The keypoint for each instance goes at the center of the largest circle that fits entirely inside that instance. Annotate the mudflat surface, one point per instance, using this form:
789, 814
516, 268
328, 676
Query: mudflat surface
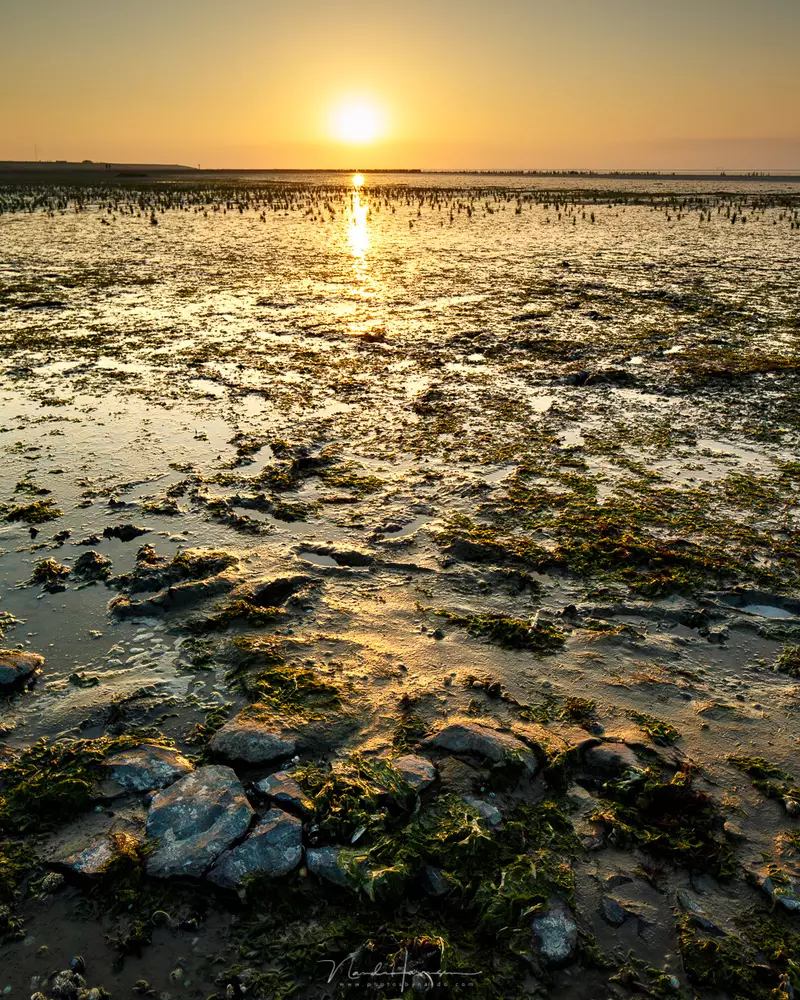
422, 452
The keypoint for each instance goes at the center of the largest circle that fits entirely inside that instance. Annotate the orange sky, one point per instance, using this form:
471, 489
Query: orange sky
711, 84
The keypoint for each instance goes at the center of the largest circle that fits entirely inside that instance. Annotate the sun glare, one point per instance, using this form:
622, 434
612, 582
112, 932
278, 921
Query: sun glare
357, 123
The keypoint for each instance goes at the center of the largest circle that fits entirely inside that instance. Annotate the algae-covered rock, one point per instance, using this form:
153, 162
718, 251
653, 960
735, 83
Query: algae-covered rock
16, 667
147, 767
92, 565
252, 742
472, 739
555, 934
124, 532
782, 887
194, 820
274, 848
281, 787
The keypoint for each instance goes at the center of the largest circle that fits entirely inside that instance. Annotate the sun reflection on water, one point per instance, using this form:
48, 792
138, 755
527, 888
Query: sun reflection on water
358, 231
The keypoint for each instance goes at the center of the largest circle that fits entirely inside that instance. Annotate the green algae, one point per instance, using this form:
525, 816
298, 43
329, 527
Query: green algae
659, 731
49, 571
788, 661
666, 817
771, 780
736, 965
511, 633
234, 613
50, 783
37, 512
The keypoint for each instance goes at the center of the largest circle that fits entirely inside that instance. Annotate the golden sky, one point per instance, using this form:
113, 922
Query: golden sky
712, 84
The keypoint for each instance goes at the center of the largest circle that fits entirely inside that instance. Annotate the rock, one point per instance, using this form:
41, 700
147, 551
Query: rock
94, 859
581, 800
490, 813
16, 667
274, 848
481, 741
252, 742
611, 758
696, 913
195, 820
616, 879
435, 882
613, 912
324, 863
792, 806
415, 771
734, 830
146, 768
68, 985
782, 887
92, 565
182, 595
555, 934
281, 787
124, 532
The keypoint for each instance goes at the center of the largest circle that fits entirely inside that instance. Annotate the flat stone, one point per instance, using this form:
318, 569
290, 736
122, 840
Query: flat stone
147, 767
611, 758
16, 667
281, 787
324, 863
415, 771
194, 820
481, 741
93, 860
613, 912
251, 742
273, 849
555, 934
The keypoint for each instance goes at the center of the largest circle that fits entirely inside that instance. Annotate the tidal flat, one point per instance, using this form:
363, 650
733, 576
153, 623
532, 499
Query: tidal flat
400, 588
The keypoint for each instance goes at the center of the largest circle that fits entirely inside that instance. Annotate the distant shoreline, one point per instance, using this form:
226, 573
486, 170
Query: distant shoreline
11, 170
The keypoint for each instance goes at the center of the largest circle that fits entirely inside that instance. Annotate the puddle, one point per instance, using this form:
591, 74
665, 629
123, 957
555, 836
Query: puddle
766, 611
410, 528
316, 558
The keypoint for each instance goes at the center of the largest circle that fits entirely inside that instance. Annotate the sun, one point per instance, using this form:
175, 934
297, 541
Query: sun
357, 123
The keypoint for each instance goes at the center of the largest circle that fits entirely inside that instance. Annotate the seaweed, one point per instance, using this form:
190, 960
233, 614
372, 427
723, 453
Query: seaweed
788, 661
511, 633
666, 817
660, 732
50, 783
37, 512
771, 780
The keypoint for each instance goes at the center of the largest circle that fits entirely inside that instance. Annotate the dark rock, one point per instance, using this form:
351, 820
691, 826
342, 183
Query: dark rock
17, 667
435, 882
555, 934
613, 912
252, 742
90, 540
281, 787
416, 771
274, 848
617, 879
481, 741
92, 565
194, 820
324, 863
183, 595
147, 767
